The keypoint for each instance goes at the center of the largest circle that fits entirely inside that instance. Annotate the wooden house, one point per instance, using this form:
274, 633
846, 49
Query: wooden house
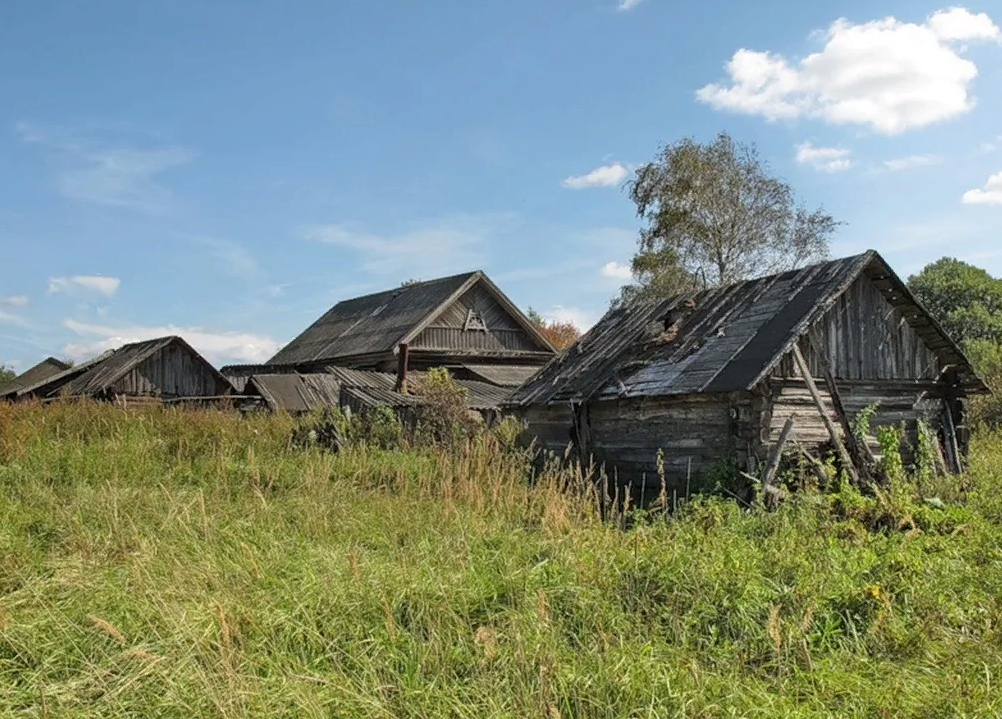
167, 368
464, 323
710, 378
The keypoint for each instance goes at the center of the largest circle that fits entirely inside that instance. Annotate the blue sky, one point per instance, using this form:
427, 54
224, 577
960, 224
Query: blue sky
227, 170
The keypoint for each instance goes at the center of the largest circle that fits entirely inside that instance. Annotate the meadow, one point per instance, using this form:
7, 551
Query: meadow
180, 563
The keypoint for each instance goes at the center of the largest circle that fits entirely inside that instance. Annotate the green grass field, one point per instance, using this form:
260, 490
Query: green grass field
162, 563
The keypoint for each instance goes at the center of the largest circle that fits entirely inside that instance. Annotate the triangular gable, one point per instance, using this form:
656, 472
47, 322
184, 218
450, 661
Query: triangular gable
504, 315
896, 293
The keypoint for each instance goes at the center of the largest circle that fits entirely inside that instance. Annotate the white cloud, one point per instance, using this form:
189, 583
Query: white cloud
911, 162
452, 244
605, 176
106, 286
110, 173
616, 271
991, 145
217, 347
990, 194
14, 301
581, 319
628, 4
826, 159
884, 74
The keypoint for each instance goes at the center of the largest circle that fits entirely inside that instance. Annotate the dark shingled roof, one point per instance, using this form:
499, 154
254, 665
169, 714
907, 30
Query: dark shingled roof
42, 371
370, 324
729, 339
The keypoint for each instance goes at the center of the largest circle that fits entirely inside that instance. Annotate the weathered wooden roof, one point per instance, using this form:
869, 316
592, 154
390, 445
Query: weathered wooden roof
48, 385
103, 374
721, 339
40, 372
500, 374
378, 323
296, 392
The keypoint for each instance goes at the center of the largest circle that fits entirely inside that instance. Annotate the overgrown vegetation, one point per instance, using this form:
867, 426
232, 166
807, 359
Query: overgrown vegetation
162, 562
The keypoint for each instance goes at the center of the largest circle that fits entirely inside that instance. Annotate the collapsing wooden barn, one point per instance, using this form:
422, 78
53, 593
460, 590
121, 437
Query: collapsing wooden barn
162, 369
357, 390
39, 373
711, 378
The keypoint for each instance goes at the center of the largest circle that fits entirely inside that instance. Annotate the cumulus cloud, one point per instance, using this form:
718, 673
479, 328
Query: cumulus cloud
106, 286
14, 301
628, 4
451, 244
826, 159
114, 173
616, 271
885, 74
605, 176
581, 319
217, 347
910, 162
990, 194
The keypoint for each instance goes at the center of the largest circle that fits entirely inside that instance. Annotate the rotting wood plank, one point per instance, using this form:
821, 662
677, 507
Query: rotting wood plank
805, 371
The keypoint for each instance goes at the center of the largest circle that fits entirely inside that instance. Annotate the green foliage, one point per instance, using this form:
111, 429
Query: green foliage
926, 444
715, 214
170, 563
7, 375
861, 422
382, 428
965, 299
443, 418
890, 450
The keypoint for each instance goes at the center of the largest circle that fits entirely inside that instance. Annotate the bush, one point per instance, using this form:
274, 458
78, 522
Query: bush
443, 418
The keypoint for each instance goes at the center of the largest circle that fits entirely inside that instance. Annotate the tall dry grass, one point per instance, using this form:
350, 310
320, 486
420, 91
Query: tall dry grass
159, 562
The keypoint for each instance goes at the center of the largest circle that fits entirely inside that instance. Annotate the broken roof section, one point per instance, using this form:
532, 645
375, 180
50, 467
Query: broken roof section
380, 322
39, 373
721, 339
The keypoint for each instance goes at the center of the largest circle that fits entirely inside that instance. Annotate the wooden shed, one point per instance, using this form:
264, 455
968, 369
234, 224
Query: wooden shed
710, 378
166, 368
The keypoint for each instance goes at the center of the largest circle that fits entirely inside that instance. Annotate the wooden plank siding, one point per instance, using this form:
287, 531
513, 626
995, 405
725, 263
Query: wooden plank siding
171, 372
866, 338
447, 330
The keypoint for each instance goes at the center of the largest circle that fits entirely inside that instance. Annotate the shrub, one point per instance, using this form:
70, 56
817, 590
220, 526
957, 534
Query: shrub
443, 417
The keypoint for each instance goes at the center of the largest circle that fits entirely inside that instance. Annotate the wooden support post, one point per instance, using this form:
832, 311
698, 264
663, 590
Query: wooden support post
858, 449
777, 451
952, 448
805, 372
402, 358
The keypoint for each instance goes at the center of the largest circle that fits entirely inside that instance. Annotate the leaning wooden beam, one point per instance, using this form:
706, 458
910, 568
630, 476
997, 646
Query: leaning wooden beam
777, 451
815, 464
863, 449
805, 372
952, 447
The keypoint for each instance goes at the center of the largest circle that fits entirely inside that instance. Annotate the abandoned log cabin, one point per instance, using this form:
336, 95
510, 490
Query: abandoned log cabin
711, 377
39, 373
166, 368
464, 322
